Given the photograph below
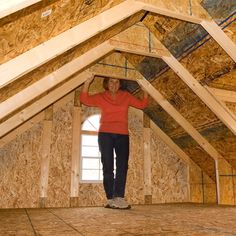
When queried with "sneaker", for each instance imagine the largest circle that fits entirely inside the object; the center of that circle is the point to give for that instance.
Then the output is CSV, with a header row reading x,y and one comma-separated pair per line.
x,y
110,203
120,203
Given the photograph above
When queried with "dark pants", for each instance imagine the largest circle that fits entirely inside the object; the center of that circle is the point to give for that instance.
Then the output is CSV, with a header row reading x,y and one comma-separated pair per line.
x,y
108,143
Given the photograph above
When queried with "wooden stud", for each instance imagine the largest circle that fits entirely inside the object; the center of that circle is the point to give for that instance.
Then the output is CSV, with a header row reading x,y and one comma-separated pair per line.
x,y
76,148
169,142
45,154
147,161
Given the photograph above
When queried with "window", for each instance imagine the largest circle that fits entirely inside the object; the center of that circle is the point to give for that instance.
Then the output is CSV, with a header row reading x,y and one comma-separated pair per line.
x,y
91,166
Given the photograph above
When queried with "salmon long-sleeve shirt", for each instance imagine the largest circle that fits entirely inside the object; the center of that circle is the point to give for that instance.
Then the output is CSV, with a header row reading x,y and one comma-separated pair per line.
x,y
114,112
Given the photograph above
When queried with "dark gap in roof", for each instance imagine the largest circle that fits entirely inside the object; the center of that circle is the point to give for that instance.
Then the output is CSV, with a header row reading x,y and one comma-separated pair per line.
x,y
150,66
183,37
219,9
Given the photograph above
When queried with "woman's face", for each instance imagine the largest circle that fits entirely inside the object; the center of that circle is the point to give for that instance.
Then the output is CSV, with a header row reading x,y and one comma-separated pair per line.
x,y
113,85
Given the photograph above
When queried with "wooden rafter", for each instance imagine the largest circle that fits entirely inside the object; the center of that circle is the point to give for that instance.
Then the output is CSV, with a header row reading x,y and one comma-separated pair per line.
x,y
46,51
170,143
42,103
201,92
129,47
222,94
220,37
159,7
157,96
51,80
24,126
8,8
223,114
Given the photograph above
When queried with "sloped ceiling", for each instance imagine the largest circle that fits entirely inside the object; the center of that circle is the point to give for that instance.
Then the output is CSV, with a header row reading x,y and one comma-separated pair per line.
x,y
209,64
188,42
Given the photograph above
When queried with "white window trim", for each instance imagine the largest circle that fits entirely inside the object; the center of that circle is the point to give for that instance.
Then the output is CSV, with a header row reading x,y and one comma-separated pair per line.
x,y
92,133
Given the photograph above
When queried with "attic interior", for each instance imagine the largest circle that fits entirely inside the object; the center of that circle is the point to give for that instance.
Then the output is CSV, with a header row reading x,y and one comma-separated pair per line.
x,y
183,145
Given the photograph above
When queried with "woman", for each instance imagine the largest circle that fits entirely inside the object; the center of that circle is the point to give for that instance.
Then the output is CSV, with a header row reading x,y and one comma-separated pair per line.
x,y
113,135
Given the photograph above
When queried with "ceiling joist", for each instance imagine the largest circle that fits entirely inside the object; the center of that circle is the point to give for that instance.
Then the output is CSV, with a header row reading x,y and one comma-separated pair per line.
x,y
223,95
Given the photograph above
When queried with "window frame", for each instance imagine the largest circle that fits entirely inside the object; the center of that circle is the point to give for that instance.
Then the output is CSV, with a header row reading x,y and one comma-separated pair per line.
x,y
100,172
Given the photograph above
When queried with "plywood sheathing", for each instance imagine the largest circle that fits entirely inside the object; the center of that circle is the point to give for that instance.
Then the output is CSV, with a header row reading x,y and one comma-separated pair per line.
x,y
175,90
27,29
60,163
161,118
169,174
218,9
172,219
20,169
56,63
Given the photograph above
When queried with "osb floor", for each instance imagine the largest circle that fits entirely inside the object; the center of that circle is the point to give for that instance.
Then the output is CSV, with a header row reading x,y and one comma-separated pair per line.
x,y
167,220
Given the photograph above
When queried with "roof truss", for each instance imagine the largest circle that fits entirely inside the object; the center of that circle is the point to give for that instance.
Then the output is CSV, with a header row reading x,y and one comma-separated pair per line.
x,y
41,54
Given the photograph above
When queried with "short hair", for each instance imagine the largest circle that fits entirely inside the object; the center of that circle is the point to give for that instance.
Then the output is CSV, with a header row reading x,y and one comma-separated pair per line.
x,y
122,83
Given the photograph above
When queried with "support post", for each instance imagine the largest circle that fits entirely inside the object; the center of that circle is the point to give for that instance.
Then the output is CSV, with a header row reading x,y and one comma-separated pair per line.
x,y
76,149
46,154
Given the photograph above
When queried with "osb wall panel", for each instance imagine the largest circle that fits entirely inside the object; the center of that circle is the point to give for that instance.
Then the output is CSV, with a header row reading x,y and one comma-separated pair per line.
x,y
227,194
225,79
135,178
202,188
196,193
91,194
231,106
24,31
197,154
224,141
169,174
195,181
20,169
185,101
60,161
206,63
209,189
66,57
